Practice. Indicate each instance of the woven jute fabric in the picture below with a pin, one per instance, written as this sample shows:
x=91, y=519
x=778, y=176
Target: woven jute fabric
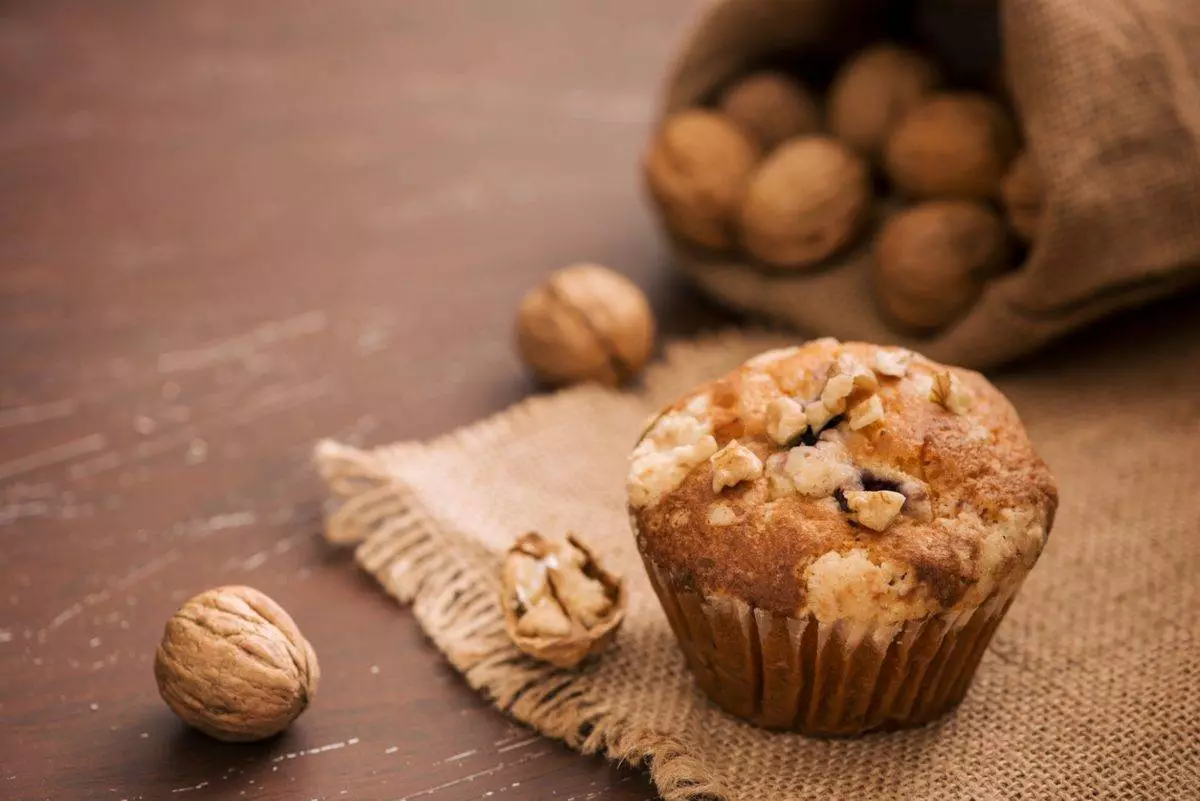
x=1090, y=689
x=1108, y=95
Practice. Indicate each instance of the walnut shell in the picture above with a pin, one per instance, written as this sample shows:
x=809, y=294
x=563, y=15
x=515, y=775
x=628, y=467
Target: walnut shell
x=933, y=260
x=234, y=665
x=952, y=145
x=805, y=202
x=1021, y=191
x=874, y=90
x=696, y=171
x=771, y=107
x=559, y=604
x=585, y=323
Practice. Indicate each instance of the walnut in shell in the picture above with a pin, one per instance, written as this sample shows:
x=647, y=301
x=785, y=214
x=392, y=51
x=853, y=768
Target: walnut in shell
x=874, y=90
x=696, y=171
x=951, y=145
x=1022, y=194
x=559, y=604
x=771, y=107
x=805, y=202
x=234, y=665
x=585, y=323
x=933, y=260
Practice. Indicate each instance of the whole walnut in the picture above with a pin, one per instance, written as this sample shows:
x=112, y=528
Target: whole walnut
x=1021, y=190
x=771, y=107
x=806, y=201
x=933, y=260
x=874, y=90
x=953, y=145
x=585, y=323
x=234, y=665
x=696, y=171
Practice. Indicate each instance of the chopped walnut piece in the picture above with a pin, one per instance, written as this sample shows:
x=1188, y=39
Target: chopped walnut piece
x=818, y=414
x=818, y=470
x=733, y=464
x=836, y=390
x=559, y=604
x=893, y=363
x=785, y=420
x=948, y=391
x=864, y=414
x=875, y=510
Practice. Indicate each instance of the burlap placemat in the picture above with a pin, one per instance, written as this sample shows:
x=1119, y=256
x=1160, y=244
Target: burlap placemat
x=1091, y=688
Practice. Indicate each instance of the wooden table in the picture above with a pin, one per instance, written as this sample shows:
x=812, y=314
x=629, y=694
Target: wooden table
x=231, y=228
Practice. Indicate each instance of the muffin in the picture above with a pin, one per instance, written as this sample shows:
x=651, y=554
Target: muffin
x=835, y=531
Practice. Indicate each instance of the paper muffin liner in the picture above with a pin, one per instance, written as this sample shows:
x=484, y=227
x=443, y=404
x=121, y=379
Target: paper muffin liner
x=828, y=678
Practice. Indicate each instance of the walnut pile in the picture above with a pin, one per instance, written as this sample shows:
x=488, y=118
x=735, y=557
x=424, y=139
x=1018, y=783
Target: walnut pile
x=933, y=260
x=234, y=665
x=756, y=168
x=585, y=323
x=559, y=604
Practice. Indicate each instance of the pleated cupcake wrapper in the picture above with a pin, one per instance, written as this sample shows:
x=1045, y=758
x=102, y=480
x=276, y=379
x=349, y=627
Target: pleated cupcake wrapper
x=828, y=678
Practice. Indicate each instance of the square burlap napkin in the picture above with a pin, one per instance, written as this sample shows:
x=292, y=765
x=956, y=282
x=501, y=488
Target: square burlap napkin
x=1091, y=688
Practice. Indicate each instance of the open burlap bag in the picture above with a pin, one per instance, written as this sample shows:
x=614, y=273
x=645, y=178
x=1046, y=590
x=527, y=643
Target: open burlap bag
x=1090, y=689
x=1108, y=94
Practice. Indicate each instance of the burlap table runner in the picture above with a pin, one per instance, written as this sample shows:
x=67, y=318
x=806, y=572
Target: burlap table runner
x=1091, y=688
x=1108, y=94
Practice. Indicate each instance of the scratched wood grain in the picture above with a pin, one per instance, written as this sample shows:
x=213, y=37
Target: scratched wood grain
x=226, y=229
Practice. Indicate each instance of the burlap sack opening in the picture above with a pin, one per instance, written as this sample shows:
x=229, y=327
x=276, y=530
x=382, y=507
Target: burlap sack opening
x=1090, y=688
x=1109, y=97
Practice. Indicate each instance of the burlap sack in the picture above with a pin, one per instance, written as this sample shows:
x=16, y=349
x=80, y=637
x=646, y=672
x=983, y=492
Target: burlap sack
x=1109, y=96
x=1090, y=689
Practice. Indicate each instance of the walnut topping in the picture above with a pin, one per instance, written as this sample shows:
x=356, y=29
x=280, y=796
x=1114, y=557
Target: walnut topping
x=667, y=453
x=785, y=420
x=893, y=363
x=948, y=391
x=818, y=414
x=868, y=412
x=733, y=464
x=722, y=514
x=875, y=510
x=559, y=604
x=818, y=470
x=836, y=390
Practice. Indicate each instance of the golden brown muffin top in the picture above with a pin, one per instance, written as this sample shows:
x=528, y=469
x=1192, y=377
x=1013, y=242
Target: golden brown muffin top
x=845, y=480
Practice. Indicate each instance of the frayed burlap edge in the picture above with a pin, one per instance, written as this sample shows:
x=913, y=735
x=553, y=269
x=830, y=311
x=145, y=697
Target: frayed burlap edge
x=451, y=582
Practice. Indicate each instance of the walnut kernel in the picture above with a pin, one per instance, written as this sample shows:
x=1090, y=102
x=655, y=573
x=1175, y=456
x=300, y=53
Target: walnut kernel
x=734, y=464
x=771, y=107
x=696, y=171
x=585, y=323
x=893, y=363
x=559, y=604
x=875, y=510
x=785, y=420
x=865, y=413
x=233, y=664
x=809, y=199
x=950, y=392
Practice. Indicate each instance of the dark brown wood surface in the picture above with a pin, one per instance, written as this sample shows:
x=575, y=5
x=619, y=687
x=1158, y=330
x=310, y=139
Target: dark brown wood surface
x=226, y=230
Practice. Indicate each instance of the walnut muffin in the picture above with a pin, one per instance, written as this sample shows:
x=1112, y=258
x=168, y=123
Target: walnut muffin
x=835, y=531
